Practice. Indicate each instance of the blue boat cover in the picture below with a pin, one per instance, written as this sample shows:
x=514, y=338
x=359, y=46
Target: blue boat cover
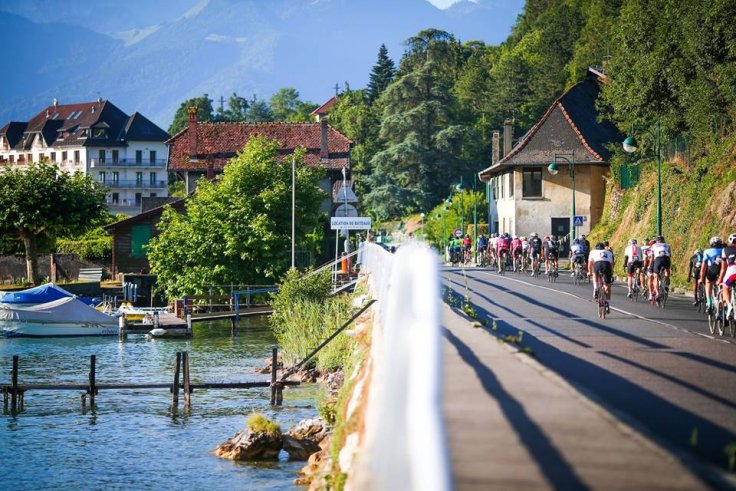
x=40, y=294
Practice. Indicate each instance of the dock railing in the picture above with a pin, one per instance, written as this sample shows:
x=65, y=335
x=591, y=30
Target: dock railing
x=404, y=443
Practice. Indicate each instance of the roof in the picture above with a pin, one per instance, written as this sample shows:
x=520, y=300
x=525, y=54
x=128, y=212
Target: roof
x=219, y=142
x=63, y=125
x=178, y=205
x=325, y=108
x=570, y=124
x=13, y=132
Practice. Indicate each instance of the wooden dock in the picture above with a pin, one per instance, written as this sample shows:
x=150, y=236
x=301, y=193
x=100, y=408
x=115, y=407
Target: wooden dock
x=14, y=392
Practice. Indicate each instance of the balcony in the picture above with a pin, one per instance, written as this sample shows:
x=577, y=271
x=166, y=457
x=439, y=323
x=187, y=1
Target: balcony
x=126, y=206
x=109, y=163
x=135, y=184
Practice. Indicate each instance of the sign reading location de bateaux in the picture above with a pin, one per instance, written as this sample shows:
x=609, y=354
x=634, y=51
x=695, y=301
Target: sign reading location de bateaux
x=350, y=223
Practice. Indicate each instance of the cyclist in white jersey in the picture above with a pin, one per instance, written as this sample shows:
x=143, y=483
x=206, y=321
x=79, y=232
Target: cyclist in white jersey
x=633, y=258
x=662, y=262
x=600, y=266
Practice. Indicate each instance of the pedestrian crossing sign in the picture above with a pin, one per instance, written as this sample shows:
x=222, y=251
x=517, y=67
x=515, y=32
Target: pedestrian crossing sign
x=578, y=221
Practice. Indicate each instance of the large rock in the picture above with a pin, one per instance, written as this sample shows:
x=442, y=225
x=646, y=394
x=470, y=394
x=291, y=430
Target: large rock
x=304, y=439
x=251, y=445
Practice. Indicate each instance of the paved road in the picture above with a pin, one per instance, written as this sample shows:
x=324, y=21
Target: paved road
x=656, y=368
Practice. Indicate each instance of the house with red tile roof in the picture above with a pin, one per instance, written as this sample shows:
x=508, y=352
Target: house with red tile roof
x=526, y=196
x=203, y=149
x=321, y=112
x=125, y=153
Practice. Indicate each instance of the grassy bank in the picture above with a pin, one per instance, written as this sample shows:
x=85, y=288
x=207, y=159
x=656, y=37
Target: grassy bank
x=698, y=201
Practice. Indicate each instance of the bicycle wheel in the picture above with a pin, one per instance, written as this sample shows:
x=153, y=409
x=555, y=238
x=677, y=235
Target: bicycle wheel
x=720, y=318
x=711, y=311
x=732, y=323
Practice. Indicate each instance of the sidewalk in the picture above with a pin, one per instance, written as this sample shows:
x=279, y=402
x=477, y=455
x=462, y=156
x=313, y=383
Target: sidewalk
x=512, y=425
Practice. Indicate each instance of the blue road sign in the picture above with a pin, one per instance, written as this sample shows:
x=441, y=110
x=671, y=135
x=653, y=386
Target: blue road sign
x=578, y=221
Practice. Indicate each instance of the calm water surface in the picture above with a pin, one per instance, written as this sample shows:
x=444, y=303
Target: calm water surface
x=132, y=440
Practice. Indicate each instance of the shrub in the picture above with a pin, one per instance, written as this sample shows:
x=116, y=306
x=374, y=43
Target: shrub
x=257, y=422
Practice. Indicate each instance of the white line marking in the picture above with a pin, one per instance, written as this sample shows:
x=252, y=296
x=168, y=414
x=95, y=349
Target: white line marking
x=655, y=321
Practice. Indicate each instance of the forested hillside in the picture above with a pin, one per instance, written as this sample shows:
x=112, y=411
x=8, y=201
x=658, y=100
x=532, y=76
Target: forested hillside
x=426, y=120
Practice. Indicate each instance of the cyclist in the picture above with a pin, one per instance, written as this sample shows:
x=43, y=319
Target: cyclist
x=728, y=249
x=524, y=252
x=481, y=247
x=551, y=253
x=577, y=255
x=693, y=271
x=535, y=249
x=632, y=264
x=586, y=245
x=661, y=262
x=467, y=246
x=502, y=250
x=600, y=266
x=492, y=248
x=729, y=281
x=517, y=250
x=710, y=270
x=646, y=250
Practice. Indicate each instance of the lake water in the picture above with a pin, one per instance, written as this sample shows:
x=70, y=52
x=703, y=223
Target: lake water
x=132, y=440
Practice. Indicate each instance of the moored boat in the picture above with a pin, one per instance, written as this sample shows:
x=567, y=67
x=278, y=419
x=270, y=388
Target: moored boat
x=38, y=295
x=63, y=317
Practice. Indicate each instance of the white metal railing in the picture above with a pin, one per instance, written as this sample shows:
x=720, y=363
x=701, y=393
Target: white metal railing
x=404, y=444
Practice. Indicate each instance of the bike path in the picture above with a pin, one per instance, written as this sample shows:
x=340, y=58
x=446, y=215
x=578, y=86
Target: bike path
x=654, y=367
x=513, y=425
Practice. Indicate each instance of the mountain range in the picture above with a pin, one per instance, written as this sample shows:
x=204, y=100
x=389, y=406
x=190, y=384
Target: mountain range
x=149, y=56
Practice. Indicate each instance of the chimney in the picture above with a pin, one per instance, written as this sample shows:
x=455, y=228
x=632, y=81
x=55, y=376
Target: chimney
x=210, y=170
x=55, y=102
x=192, y=133
x=323, y=150
x=508, y=135
x=495, y=147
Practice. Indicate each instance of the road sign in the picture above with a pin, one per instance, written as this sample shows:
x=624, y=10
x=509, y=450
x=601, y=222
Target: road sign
x=458, y=233
x=350, y=223
x=578, y=221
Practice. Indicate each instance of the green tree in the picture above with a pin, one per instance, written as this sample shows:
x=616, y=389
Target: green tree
x=259, y=110
x=42, y=202
x=381, y=76
x=238, y=229
x=181, y=117
x=237, y=109
x=284, y=104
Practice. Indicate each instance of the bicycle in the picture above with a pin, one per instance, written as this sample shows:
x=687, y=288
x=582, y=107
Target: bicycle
x=552, y=273
x=636, y=289
x=716, y=311
x=663, y=292
x=578, y=276
x=536, y=268
x=730, y=319
x=600, y=300
x=518, y=265
x=700, y=297
x=502, y=259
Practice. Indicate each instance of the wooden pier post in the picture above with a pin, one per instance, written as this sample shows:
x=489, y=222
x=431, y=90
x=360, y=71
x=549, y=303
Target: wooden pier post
x=92, y=390
x=175, y=386
x=274, y=367
x=5, y=399
x=21, y=399
x=14, y=382
x=187, y=388
x=122, y=332
x=189, y=325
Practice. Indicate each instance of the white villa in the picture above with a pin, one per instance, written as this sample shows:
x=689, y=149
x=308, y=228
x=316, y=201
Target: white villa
x=126, y=154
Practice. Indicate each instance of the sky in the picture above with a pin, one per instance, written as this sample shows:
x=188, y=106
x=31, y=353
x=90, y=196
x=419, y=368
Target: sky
x=443, y=4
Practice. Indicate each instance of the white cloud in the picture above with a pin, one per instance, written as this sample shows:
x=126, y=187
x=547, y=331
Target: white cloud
x=218, y=38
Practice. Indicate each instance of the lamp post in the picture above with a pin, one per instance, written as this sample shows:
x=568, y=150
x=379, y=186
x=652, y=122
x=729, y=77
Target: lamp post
x=293, y=207
x=630, y=146
x=475, y=221
x=553, y=169
x=459, y=189
x=421, y=223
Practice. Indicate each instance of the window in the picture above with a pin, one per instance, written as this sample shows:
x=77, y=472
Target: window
x=502, y=185
x=12, y=159
x=140, y=237
x=115, y=156
x=103, y=177
x=532, y=183
x=115, y=178
x=153, y=195
x=138, y=198
x=98, y=133
x=63, y=156
x=511, y=184
x=30, y=158
x=139, y=179
x=102, y=156
x=53, y=156
x=152, y=177
x=139, y=156
x=76, y=156
x=115, y=198
x=152, y=157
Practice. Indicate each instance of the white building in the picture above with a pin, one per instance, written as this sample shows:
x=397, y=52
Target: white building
x=126, y=154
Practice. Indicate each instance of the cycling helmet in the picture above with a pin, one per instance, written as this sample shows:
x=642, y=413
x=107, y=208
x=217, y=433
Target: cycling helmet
x=552, y=237
x=716, y=242
x=698, y=251
x=534, y=234
x=660, y=239
x=606, y=244
x=582, y=236
x=516, y=237
x=732, y=238
x=600, y=246
x=576, y=241
x=632, y=241
x=731, y=259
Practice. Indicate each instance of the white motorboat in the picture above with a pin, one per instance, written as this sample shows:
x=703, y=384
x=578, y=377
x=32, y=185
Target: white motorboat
x=63, y=317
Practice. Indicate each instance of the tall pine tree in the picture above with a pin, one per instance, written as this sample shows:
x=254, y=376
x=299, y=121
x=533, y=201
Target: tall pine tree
x=382, y=74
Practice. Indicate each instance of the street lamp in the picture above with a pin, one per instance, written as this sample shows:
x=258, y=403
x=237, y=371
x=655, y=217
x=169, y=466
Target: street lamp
x=459, y=189
x=421, y=222
x=630, y=146
x=293, y=208
x=475, y=221
x=554, y=169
